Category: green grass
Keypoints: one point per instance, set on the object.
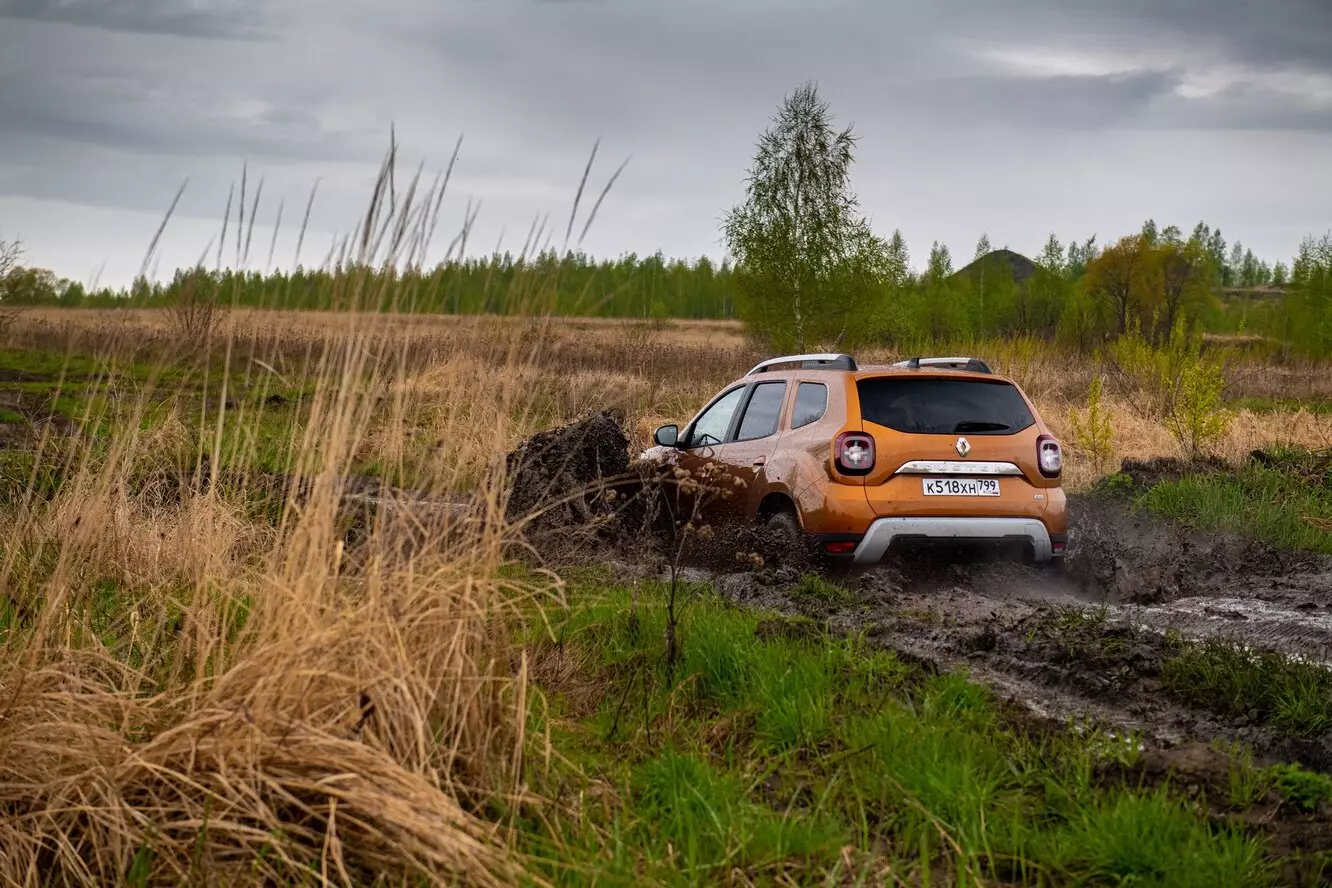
(779, 752)
(1288, 505)
(1292, 695)
(818, 589)
(1271, 405)
(1305, 789)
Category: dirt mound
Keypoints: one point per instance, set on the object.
(1147, 473)
(575, 483)
(1020, 267)
(1127, 555)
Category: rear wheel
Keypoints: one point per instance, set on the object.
(785, 543)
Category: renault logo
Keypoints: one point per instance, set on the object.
(962, 447)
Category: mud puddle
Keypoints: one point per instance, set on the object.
(1305, 631)
(1087, 642)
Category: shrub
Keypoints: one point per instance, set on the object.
(1193, 384)
(1176, 382)
(1093, 431)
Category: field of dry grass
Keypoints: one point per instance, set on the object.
(654, 373)
(202, 683)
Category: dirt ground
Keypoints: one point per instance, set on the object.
(1139, 577)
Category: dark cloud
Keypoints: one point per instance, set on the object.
(211, 19)
(1016, 117)
(1268, 33)
(1050, 103)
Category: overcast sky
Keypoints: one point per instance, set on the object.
(1016, 118)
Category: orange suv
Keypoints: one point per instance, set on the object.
(854, 461)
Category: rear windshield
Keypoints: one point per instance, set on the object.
(938, 406)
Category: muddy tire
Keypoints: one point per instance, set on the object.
(785, 543)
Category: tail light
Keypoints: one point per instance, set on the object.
(854, 453)
(1048, 456)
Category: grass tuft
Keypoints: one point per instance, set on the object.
(1284, 504)
(1229, 678)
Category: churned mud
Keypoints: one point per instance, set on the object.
(1087, 642)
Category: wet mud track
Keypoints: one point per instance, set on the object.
(1087, 642)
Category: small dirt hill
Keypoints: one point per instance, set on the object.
(1020, 266)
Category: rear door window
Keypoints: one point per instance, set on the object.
(810, 404)
(942, 406)
(765, 405)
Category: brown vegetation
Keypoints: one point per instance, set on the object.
(218, 685)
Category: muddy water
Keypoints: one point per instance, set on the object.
(1302, 632)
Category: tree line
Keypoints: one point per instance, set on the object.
(572, 284)
(809, 271)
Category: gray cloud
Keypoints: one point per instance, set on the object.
(1268, 33)
(1017, 118)
(1050, 103)
(212, 19)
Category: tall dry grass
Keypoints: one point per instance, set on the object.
(233, 678)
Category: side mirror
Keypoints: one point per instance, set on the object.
(667, 435)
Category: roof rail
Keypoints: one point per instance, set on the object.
(973, 364)
(822, 361)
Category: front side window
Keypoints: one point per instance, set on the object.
(762, 411)
(810, 404)
(711, 427)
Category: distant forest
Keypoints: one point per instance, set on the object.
(1080, 292)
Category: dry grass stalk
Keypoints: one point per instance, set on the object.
(190, 695)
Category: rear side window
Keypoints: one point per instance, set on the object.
(937, 406)
(765, 405)
(810, 404)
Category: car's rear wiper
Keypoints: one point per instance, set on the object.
(980, 426)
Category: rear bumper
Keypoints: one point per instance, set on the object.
(884, 531)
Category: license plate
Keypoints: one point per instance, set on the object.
(960, 486)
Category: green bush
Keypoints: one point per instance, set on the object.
(1093, 431)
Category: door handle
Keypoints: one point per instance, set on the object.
(760, 461)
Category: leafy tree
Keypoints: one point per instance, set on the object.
(1250, 270)
(1308, 307)
(1216, 246)
(940, 264)
(804, 255)
(30, 286)
(1280, 274)
(899, 261)
(1119, 279)
(940, 313)
(1185, 281)
(73, 295)
(1040, 301)
(983, 247)
(1052, 255)
(1079, 257)
(1234, 272)
(1149, 232)
(11, 254)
